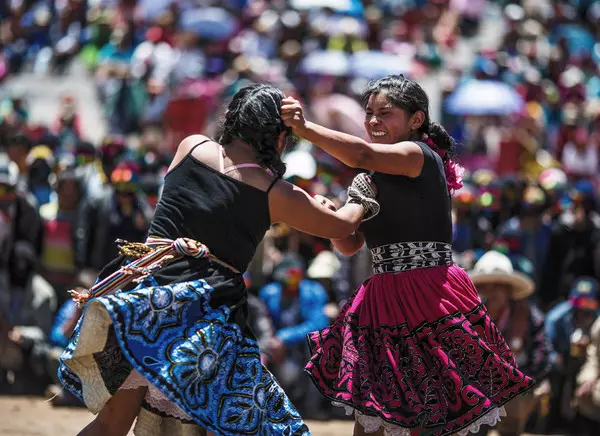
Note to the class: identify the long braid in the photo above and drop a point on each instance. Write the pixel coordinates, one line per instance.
(254, 116)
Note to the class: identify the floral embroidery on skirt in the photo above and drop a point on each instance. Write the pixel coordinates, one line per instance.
(416, 349)
(193, 354)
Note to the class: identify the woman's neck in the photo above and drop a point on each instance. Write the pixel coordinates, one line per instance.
(238, 152)
(415, 136)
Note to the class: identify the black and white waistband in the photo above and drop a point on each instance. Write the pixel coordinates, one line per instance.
(404, 256)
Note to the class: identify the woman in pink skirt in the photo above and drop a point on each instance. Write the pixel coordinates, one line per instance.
(413, 352)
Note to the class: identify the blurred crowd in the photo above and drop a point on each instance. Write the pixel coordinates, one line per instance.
(526, 110)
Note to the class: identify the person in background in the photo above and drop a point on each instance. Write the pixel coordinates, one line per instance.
(573, 243)
(272, 350)
(120, 213)
(68, 124)
(297, 307)
(580, 157)
(26, 310)
(64, 324)
(470, 228)
(18, 148)
(588, 391)
(568, 327)
(504, 292)
(27, 301)
(113, 150)
(89, 169)
(19, 219)
(60, 217)
(531, 228)
(578, 312)
(325, 269)
(40, 164)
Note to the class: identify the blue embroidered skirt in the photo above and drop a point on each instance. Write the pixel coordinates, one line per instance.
(193, 354)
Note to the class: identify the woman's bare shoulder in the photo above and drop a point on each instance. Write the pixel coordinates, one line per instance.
(191, 141)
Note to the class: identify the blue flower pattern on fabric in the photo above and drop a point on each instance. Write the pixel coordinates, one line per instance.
(156, 311)
(195, 359)
(195, 356)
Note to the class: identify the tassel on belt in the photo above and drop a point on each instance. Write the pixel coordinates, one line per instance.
(150, 257)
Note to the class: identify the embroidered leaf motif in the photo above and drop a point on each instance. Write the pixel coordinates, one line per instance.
(150, 361)
(232, 419)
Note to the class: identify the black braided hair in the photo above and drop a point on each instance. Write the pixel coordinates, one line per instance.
(408, 95)
(254, 116)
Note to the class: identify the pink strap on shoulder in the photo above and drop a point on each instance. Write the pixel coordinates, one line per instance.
(221, 162)
(240, 166)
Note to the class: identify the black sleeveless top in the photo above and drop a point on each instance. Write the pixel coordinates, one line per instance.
(412, 209)
(227, 215)
(201, 203)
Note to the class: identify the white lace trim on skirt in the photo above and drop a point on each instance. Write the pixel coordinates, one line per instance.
(154, 396)
(372, 423)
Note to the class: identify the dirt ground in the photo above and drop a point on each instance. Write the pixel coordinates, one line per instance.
(25, 416)
(21, 416)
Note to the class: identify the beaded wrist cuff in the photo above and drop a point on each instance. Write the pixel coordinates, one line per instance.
(371, 206)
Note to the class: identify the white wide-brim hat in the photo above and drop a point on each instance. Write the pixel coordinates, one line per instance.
(495, 267)
(325, 266)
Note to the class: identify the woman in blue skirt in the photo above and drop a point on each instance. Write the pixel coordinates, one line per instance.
(163, 337)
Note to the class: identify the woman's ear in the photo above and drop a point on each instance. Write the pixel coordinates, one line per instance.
(281, 142)
(417, 120)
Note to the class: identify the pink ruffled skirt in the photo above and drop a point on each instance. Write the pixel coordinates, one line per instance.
(417, 350)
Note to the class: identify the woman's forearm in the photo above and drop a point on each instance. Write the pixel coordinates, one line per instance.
(350, 245)
(352, 215)
(351, 150)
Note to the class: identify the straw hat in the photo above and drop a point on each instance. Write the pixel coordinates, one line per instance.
(325, 266)
(495, 267)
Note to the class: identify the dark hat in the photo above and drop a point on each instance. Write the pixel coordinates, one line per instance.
(584, 293)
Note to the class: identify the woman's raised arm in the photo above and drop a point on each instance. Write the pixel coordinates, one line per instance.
(403, 158)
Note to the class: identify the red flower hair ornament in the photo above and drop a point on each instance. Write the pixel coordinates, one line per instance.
(454, 171)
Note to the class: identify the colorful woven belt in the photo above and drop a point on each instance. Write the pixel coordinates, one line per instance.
(404, 256)
(154, 254)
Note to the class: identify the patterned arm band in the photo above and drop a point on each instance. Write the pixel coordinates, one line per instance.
(371, 206)
(362, 185)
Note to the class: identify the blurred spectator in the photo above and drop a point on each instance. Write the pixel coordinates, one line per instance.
(573, 243)
(27, 301)
(119, 213)
(325, 269)
(64, 324)
(580, 157)
(568, 326)
(588, 391)
(528, 233)
(113, 150)
(470, 228)
(26, 311)
(297, 307)
(18, 148)
(40, 165)
(578, 312)
(19, 221)
(272, 349)
(61, 216)
(89, 169)
(504, 293)
(68, 124)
